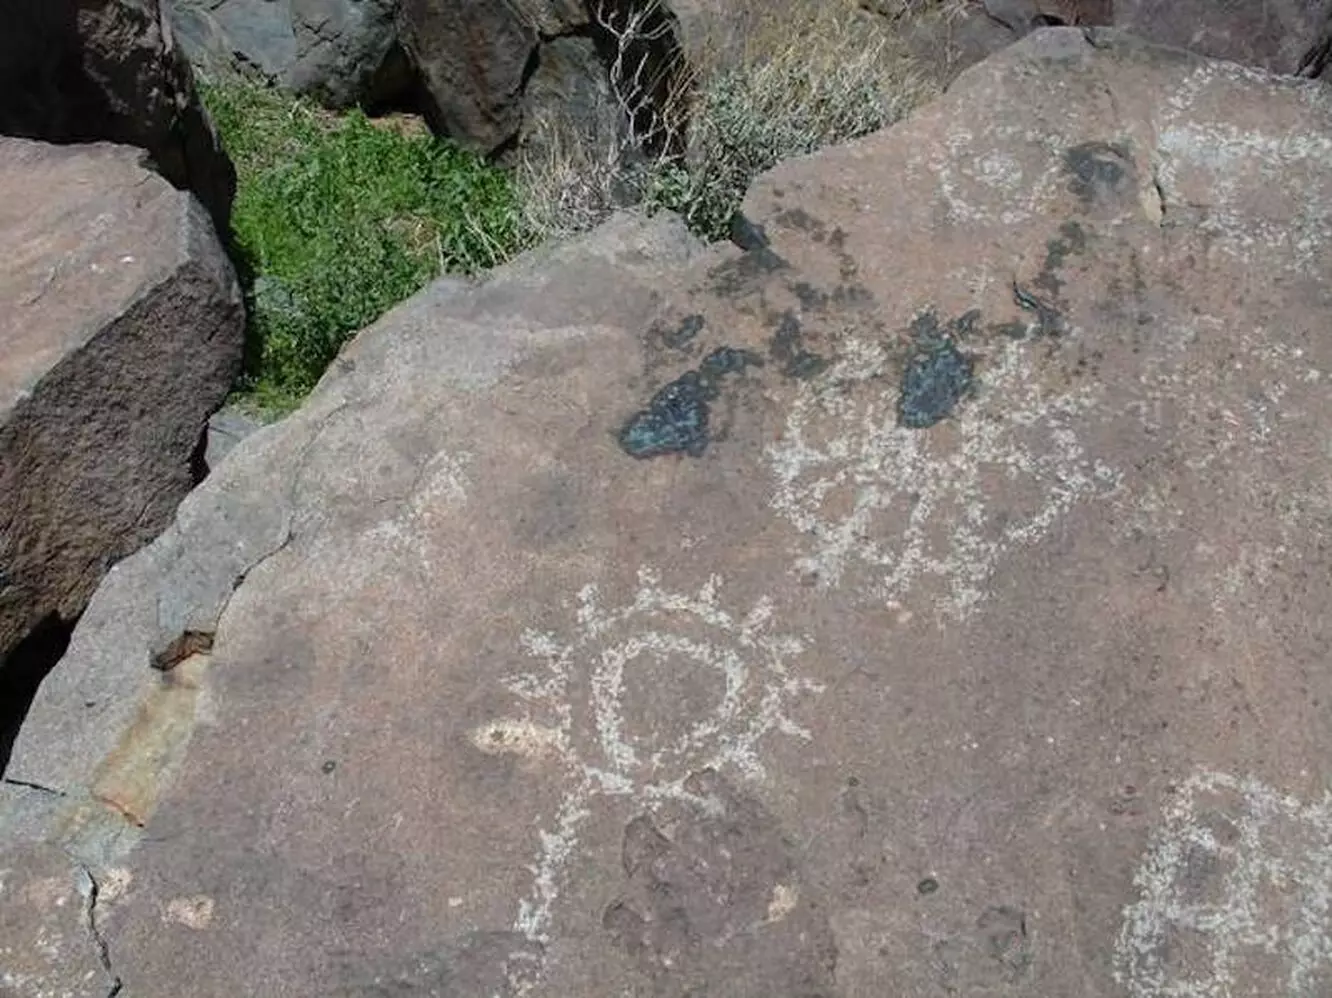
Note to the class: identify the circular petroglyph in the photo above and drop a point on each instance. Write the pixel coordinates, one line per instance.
(899, 502)
(635, 698)
(1234, 897)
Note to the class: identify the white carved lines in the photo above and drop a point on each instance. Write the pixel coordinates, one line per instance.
(1234, 897)
(585, 708)
(907, 504)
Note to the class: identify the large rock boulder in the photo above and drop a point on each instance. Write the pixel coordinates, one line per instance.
(122, 330)
(494, 74)
(108, 70)
(341, 52)
(1285, 36)
(929, 601)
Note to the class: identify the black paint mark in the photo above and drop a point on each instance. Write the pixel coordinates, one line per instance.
(927, 886)
(676, 418)
(1097, 169)
(746, 234)
(787, 347)
(1048, 320)
(737, 277)
(683, 334)
(798, 218)
(811, 298)
(937, 375)
(1072, 241)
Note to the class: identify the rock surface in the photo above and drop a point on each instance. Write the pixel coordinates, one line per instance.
(1293, 37)
(959, 628)
(1285, 36)
(339, 51)
(108, 70)
(49, 943)
(495, 74)
(122, 331)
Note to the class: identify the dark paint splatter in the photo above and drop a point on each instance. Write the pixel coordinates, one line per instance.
(1097, 169)
(746, 234)
(676, 418)
(937, 375)
(1072, 240)
(798, 218)
(683, 334)
(1048, 320)
(787, 347)
(932, 384)
(738, 277)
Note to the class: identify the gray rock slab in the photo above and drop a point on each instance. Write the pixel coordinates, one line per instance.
(49, 940)
(929, 600)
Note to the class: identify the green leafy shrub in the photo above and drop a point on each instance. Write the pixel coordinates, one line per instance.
(337, 219)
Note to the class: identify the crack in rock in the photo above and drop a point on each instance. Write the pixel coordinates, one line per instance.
(92, 892)
(30, 785)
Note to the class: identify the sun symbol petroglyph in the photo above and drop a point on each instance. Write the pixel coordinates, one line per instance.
(907, 504)
(638, 698)
(1234, 897)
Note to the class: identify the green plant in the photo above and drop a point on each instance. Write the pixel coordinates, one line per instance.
(337, 219)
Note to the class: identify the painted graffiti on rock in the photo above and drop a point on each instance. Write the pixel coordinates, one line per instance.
(905, 500)
(1234, 896)
(636, 699)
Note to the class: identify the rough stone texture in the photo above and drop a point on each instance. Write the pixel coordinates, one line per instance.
(966, 636)
(108, 70)
(1285, 36)
(497, 74)
(122, 331)
(49, 944)
(227, 428)
(341, 52)
(569, 98)
(473, 59)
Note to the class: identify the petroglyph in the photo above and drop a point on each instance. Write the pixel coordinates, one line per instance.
(638, 698)
(1234, 896)
(906, 504)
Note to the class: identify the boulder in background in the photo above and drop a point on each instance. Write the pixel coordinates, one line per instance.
(108, 70)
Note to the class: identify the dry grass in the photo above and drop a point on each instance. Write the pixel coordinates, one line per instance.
(770, 79)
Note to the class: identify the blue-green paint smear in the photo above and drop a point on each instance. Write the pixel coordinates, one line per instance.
(676, 418)
(937, 377)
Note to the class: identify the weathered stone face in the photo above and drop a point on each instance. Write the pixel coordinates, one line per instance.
(122, 331)
(90, 71)
(339, 51)
(1280, 35)
(49, 940)
(952, 622)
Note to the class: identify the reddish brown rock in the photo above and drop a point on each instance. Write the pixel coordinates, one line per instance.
(122, 331)
(930, 601)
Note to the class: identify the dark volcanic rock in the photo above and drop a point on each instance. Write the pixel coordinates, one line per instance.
(108, 70)
(1024, 694)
